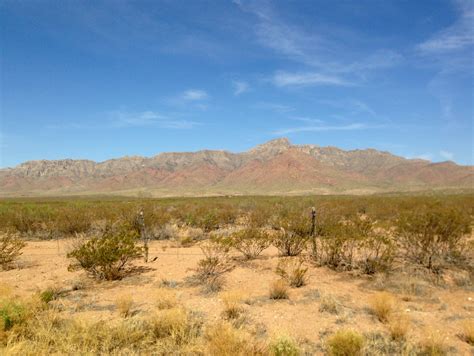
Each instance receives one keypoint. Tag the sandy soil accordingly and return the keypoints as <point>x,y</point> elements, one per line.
<point>44,264</point>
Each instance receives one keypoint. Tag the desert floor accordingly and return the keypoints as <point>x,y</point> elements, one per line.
<point>432,309</point>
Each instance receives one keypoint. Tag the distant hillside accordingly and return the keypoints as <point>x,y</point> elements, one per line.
<point>276,167</point>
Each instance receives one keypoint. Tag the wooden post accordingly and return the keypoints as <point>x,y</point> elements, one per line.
<point>313,229</point>
<point>141,224</point>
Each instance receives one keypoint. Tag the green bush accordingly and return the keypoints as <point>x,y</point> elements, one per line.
<point>284,346</point>
<point>294,228</point>
<point>433,235</point>
<point>108,256</point>
<point>250,242</point>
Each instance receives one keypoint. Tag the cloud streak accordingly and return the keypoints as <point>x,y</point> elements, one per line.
<point>240,87</point>
<point>194,95</point>
<point>458,36</point>
<point>285,79</point>
<point>321,128</point>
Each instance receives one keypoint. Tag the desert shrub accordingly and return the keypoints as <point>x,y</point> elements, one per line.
<point>294,230</point>
<point>215,263</point>
<point>50,294</point>
<point>232,304</point>
<point>279,290</point>
<point>382,305</point>
<point>377,249</point>
<point>345,343</point>
<point>467,333</point>
<point>398,326</point>
<point>433,235</point>
<point>284,345</point>
<point>72,221</point>
<point>224,339</point>
<point>250,242</point>
<point>10,249</point>
<point>124,305</point>
<point>293,271</point>
<point>108,256</point>
<point>165,299</point>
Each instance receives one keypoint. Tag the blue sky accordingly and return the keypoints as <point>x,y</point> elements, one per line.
<point>104,79</point>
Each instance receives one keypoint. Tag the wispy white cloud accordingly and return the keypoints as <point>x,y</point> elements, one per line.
<point>446,155</point>
<point>285,79</point>
<point>275,107</point>
<point>118,119</point>
<point>458,36</point>
<point>240,87</point>
<point>424,156</point>
<point>319,128</point>
<point>148,118</point>
<point>318,48</point>
<point>194,95</point>
<point>308,120</point>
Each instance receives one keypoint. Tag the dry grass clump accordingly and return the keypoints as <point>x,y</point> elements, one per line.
<point>10,249</point>
<point>165,299</point>
<point>293,271</point>
<point>382,305</point>
<point>124,305</point>
<point>399,326</point>
<point>284,345</point>
<point>224,340</point>
<point>172,322</point>
<point>433,344</point>
<point>232,304</point>
<point>329,304</point>
<point>345,343</point>
<point>467,333</point>
<point>279,290</point>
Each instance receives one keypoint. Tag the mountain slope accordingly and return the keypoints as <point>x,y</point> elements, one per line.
<point>276,167</point>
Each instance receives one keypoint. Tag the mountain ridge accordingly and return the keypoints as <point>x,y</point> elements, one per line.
<point>274,167</point>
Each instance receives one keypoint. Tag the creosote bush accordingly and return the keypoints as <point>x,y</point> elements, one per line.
<point>433,236</point>
<point>293,271</point>
<point>345,343</point>
<point>215,263</point>
<point>10,249</point>
<point>293,232</point>
<point>250,242</point>
<point>108,256</point>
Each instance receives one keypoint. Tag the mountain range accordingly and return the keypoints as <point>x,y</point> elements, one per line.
<point>275,167</point>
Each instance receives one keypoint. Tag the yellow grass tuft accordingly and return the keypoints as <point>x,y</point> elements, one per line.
<point>165,299</point>
<point>382,305</point>
<point>232,304</point>
<point>467,333</point>
<point>279,290</point>
<point>124,305</point>
<point>345,343</point>
<point>399,326</point>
